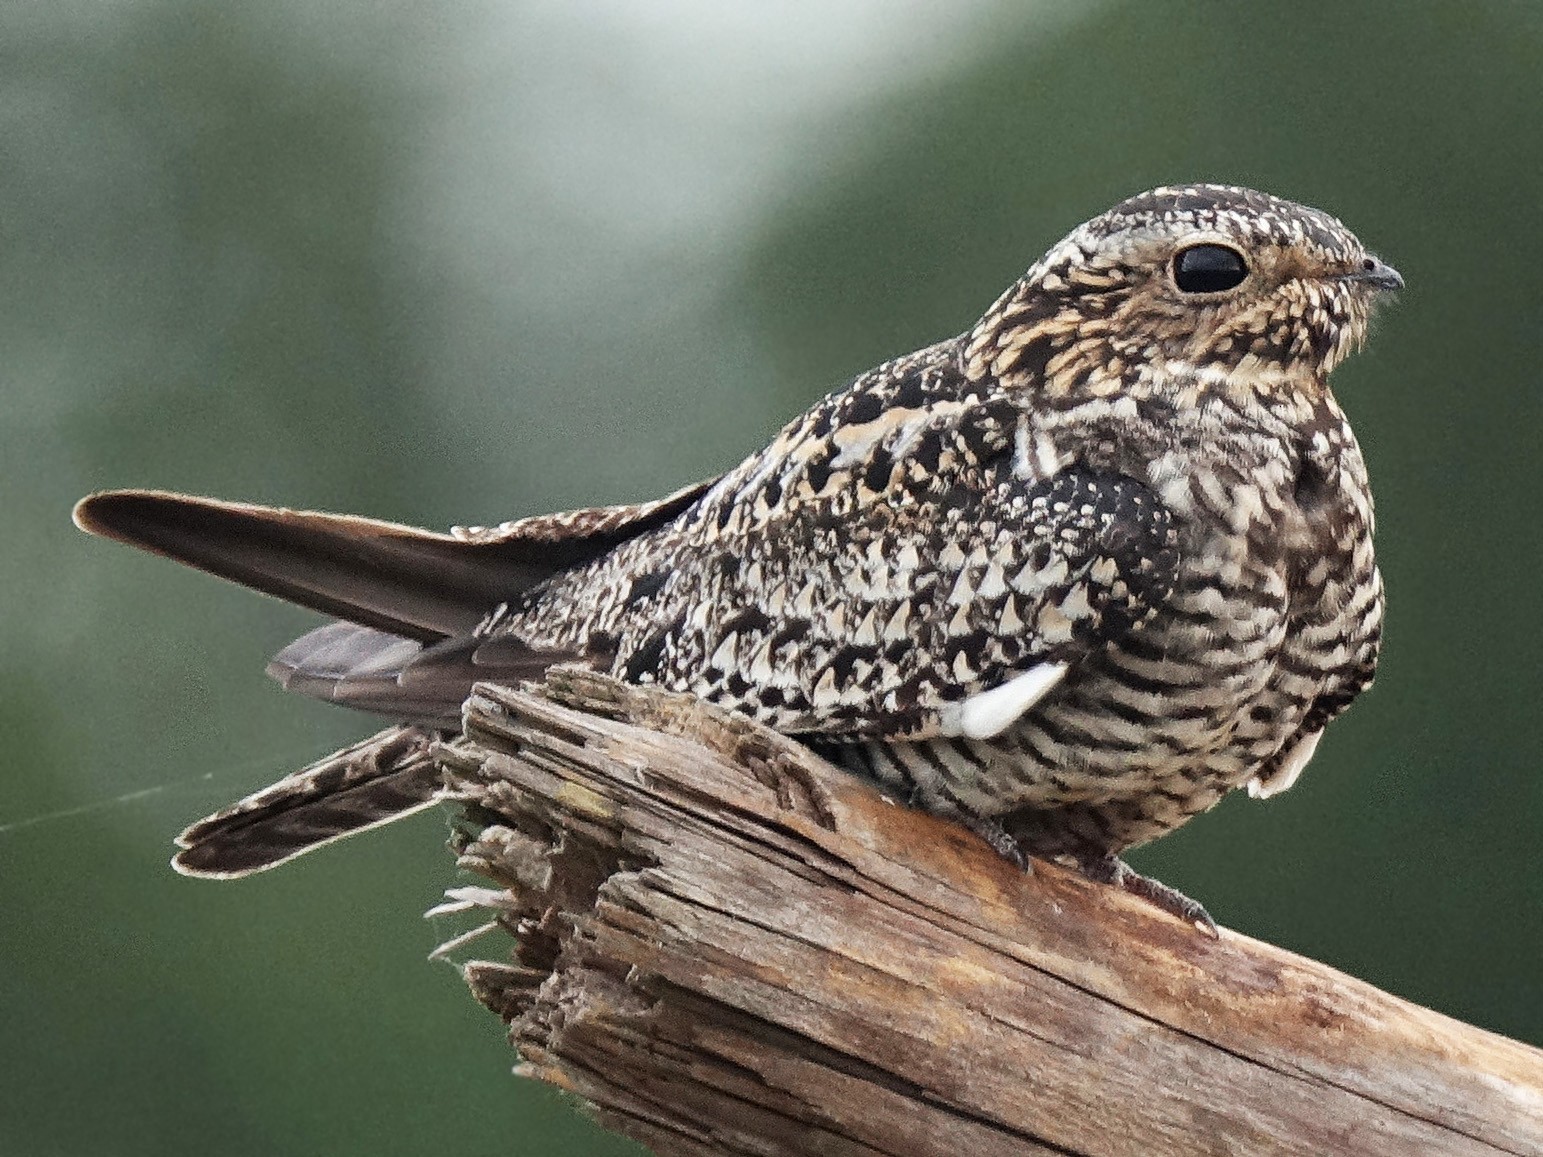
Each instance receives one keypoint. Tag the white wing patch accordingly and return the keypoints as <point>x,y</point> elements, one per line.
<point>1263,787</point>
<point>989,713</point>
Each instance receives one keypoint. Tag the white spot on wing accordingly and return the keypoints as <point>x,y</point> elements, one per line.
<point>989,713</point>
<point>1286,774</point>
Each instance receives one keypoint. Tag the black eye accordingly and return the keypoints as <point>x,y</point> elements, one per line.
<point>1208,269</point>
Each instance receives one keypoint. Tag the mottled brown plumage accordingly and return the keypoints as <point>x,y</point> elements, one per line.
<point>1070,577</point>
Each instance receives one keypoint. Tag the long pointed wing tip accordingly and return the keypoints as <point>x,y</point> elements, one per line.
<point>86,514</point>
<point>103,512</point>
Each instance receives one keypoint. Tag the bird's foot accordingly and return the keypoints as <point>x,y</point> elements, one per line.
<point>1001,841</point>
<point>1110,869</point>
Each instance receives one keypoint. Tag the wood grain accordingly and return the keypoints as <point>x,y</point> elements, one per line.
<point>727,946</point>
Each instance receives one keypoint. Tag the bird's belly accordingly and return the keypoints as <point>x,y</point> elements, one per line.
<point>1144,735</point>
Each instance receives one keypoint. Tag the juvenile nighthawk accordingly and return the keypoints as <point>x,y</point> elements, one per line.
<point>1069,577</point>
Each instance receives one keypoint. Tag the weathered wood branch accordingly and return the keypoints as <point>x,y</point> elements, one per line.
<point>729,947</point>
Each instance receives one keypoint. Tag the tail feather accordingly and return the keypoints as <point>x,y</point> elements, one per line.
<point>387,675</point>
<point>384,778</point>
<point>411,602</point>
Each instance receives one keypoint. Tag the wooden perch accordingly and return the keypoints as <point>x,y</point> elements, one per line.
<point>729,947</point>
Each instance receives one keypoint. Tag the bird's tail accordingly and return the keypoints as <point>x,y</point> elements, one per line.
<point>408,646</point>
<point>387,776</point>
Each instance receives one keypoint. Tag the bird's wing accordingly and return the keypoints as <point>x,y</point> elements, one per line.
<point>954,626</point>
<point>881,571</point>
<point>1342,688</point>
<point>408,583</point>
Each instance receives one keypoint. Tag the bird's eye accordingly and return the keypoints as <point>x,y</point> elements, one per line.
<point>1208,269</point>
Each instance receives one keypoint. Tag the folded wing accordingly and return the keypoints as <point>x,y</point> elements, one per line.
<point>407,602</point>
<point>415,584</point>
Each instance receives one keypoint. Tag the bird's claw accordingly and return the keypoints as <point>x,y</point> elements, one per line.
<point>1110,869</point>
<point>1001,841</point>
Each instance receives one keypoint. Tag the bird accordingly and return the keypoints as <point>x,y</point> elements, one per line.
<point>1067,578</point>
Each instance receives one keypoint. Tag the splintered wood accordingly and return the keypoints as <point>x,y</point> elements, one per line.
<point>727,946</point>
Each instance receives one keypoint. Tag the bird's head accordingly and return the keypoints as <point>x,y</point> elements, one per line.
<point>1240,287</point>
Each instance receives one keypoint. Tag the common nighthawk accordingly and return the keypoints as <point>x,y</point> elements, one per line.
<point>1069,577</point>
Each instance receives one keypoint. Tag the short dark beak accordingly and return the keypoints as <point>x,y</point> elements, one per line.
<point>1376,273</point>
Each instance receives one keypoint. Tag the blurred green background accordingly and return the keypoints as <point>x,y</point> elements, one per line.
<point>457,263</point>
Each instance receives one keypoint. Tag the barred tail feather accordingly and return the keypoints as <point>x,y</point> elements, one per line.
<point>384,778</point>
